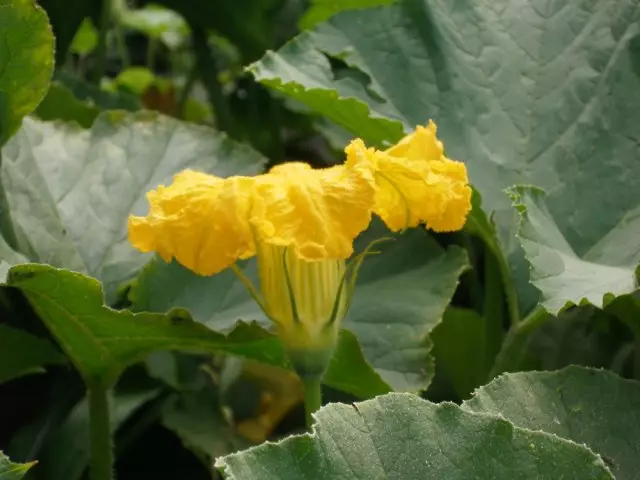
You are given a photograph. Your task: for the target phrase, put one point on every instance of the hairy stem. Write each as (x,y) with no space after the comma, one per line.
(312,398)
(100,434)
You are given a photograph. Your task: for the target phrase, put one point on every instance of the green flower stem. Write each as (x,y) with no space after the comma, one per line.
(100,434)
(513,346)
(312,398)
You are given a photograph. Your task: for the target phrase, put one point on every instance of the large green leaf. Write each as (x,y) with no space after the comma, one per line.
(569,270)
(12,471)
(588,406)
(26,62)
(402,436)
(401,295)
(23,354)
(101,342)
(70,191)
(321,10)
(525,92)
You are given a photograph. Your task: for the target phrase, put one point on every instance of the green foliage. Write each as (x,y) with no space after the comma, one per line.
(66,454)
(321,10)
(536,93)
(460,349)
(24,354)
(12,471)
(26,62)
(573,271)
(179,372)
(590,407)
(403,436)
(101,342)
(61,104)
(86,38)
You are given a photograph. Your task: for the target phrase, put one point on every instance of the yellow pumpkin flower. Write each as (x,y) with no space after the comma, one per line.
(416,183)
(301,223)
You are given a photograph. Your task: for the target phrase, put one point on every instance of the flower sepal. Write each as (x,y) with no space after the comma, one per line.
(309,353)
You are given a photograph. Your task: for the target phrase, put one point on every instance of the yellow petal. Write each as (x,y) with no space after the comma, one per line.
(452,194)
(420,145)
(416,183)
(317,212)
(200,220)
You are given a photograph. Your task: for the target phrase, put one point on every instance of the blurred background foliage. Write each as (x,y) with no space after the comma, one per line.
(174,413)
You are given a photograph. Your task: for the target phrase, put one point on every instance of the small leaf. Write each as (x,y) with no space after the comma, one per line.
(158,23)
(61,104)
(10,470)
(95,95)
(402,436)
(23,354)
(588,406)
(101,342)
(135,79)
(86,38)
(26,62)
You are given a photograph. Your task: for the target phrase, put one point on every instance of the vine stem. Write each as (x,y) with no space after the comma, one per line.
(208,69)
(312,398)
(97,72)
(514,343)
(100,434)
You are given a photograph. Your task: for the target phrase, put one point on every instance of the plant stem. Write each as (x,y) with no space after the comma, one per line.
(493,303)
(122,48)
(636,357)
(513,346)
(100,433)
(192,76)
(151,53)
(208,69)
(312,398)
(97,72)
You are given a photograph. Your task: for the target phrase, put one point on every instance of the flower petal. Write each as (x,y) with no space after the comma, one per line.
(200,220)
(420,145)
(316,212)
(416,183)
